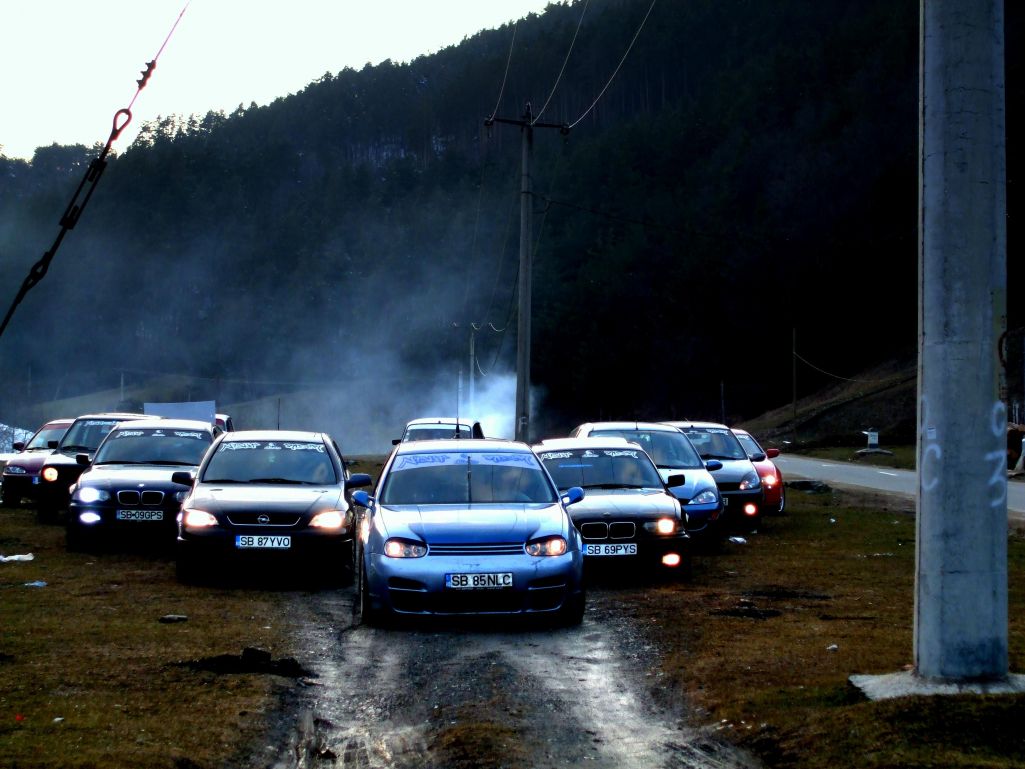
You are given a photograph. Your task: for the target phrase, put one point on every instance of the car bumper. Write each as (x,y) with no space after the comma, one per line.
(304,545)
(743,505)
(417,585)
(20,486)
(144,526)
(703,520)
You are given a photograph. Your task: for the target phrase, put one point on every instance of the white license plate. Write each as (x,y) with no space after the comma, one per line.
(621,549)
(247,541)
(140,515)
(491,581)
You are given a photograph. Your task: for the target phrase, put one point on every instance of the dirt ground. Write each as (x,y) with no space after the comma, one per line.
(462,694)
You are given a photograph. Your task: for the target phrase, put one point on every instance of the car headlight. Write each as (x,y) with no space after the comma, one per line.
(404,548)
(14,470)
(547,546)
(750,481)
(706,497)
(661,526)
(770,480)
(88,494)
(329,519)
(50,474)
(198,519)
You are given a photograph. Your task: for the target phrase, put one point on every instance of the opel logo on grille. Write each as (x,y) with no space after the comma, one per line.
(263,518)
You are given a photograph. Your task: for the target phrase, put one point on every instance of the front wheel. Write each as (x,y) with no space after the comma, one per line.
(572,612)
(363,611)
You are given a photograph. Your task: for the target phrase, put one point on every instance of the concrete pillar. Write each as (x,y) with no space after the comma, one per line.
(961,556)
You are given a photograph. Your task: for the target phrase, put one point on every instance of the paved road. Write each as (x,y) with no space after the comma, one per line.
(879,478)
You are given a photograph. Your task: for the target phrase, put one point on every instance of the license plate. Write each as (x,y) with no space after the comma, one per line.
(479,581)
(725,501)
(247,541)
(140,515)
(620,549)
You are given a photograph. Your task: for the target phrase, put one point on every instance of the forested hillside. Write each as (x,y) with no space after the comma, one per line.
(751,170)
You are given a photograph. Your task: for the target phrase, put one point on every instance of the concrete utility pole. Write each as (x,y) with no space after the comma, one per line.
(961,556)
(527,125)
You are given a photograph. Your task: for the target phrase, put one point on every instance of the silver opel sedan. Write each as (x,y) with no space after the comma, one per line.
(468,527)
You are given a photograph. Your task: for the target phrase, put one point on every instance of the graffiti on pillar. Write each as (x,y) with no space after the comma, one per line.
(932,452)
(997,460)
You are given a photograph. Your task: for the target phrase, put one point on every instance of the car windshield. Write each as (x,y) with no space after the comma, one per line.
(601,468)
(285,462)
(431,432)
(750,445)
(715,443)
(41,440)
(87,434)
(153,446)
(459,478)
(667,448)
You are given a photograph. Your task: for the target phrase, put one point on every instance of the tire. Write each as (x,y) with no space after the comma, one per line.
(363,610)
(572,612)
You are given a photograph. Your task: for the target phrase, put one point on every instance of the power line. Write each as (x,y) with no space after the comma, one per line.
(837,376)
(506,75)
(616,72)
(564,63)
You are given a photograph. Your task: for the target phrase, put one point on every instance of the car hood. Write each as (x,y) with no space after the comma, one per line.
(31,462)
(454,524)
(59,457)
(297,500)
(635,503)
(733,470)
(697,479)
(137,475)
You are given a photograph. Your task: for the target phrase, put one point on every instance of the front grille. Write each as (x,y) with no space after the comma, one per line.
(128,498)
(496,548)
(728,486)
(272,519)
(151,497)
(595,530)
(622,530)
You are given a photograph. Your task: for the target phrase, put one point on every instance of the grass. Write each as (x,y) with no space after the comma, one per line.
(747,653)
(761,644)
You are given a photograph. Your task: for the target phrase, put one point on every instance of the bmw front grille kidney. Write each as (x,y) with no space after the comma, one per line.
(131,498)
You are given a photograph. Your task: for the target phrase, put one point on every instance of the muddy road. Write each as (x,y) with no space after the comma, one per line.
(469,694)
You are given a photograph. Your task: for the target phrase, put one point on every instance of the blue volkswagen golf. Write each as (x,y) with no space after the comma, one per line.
(463,527)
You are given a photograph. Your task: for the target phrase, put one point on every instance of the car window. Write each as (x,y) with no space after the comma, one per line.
(597,468)
(715,443)
(87,434)
(750,445)
(466,478)
(154,446)
(41,439)
(669,449)
(286,462)
(435,432)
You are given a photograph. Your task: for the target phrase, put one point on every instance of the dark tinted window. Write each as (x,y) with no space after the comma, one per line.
(598,468)
(154,446)
(298,462)
(87,434)
(41,439)
(669,449)
(466,478)
(715,443)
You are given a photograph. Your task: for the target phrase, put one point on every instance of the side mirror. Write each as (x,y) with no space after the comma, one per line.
(183,477)
(712,465)
(573,495)
(477,431)
(52,444)
(759,457)
(81,459)
(363,499)
(358,479)
(18,446)
(677,479)
(772,453)
(396,441)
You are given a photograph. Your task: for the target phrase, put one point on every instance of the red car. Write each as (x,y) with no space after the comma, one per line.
(22,472)
(772,479)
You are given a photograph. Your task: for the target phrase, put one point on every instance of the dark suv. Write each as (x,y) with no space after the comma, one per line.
(61,468)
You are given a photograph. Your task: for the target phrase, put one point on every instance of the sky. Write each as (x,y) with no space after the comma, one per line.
(68,65)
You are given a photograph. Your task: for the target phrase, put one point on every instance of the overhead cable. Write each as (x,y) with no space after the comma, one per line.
(564,63)
(506,75)
(616,72)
